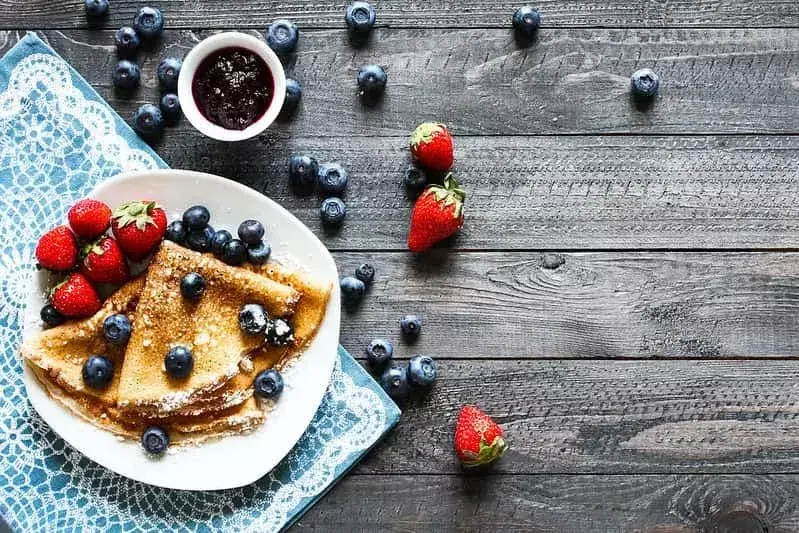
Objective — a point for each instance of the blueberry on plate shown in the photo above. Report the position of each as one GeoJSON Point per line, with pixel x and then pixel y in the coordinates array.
{"type": "Point", "coordinates": [116, 329]}
{"type": "Point", "coordinates": [268, 384]}
{"type": "Point", "coordinates": [411, 325]}
{"type": "Point", "coordinates": [372, 80]}
{"type": "Point", "coordinates": [645, 83]}
{"type": "Point", "coordinates": [148, 22]}
{"type": "Point", "coordinates": [234, 252]}
{"type": "Point", "coordinates": [175, 232]}
{"type": "Point", "coordinates": [379, 353]}
{"type": "Point", "coordinates": [360, 17]}
{"type": "Point", "coordinates": [155, 440]}
{"type": "Point", "coordinates": [365, 273]}
{"type": "Point", "coordinates": [253, 319]}
{"type": "Point", "coordinates": [258, 254]}
{"type": "Point", "coordinates": [126, 75]}
{"type": "Point", "coordinates": [192, 286]}
{"type": "Point", "coordinates": [127, 40]}
{"type": "Point", "coordinates": [333, 211]}
{"type": "Point", "coordinates": [332, 179]}
{"type": "Point", "coordinates": [422, 371]}
{"type": "Point", "coordinates": [51, 316]}
{"type": "Point", "coordinates": [170, 105]}
{"type": "Point", "coordinates": [352, 290]}
{"type": "Point", "coordinates": [279, 332]}
{"type": "Point", "coordinates": [251, 231]}
{"type": "Point", "coordinates": [414, 179]}
{"type": "Point", "coordinates": [395, 382]}
{"type": "Point", "coordinates": [526, 19]}
{"type": "Point", "coordinates": [196, 217]}
{"type": "Point", "coordinates": [97, 8]}
{"type": "Point", "coordinates": [220, 239]}
{"type": "Point", "coordinates": [168, 71]}
{"type": "Point", "coordinates": [148, 120]}
{"type": "Point", "coordinates": [199, 240]}
{"type": "Point", "coordinates": [293, 95]}
{"type": "Point", "coordinates": [178, 362]}
{"type": "Point", "coordinates": [282, 36]}
{"type": "Point", "coordinates": [302, 173]}
{"type": "Point", "coordinates": [97, 372]}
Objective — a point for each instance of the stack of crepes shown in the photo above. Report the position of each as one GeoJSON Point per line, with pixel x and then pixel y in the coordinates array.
{"type": "Point", "coordinates": [217, 397]}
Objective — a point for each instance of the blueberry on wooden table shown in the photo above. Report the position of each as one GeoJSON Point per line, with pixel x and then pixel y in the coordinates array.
{"type": "Point", "coordinates": [395, 382]}
{"type": "Point", "coordinates": [332, 179]}
{"type": "Point", "coordinates": [97, 8]}
{"type": "Point", "coordinates": [526, 19]}
{"type": "Point", "coordinates": [360, 17]}
{"type": "Point", "coordinates": [170, 105]}
{"type": "Point", "coordinates": [127, 40]}
{"type": "Point", "coordinates": [303, 170]}
{"type": "Point", "coordinates": [148, 22]}
{"type": "Point", "coordinates": [422, 371]}
{"type": "Point", "coordinates": [333, 211]}
{"type": "Point", "coordinates": [126, 75]}
{"type": "Point", "coordinates": [645, 83]}
{"type": "Point", "coordinates": [148, 120]}
{"type": "Point", "coordinates": [168, 71]}
{"type": "Point", "coordinates": [282, 36]}
{"type": "Point", "coordinates": [379, 353]}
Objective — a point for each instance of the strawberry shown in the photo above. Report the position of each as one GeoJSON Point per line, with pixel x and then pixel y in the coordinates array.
{"type": "Point", "coordinates": [75, 297]}
{"type": "Point", "coordinates": [478, 439]}
{"type": "Point", "coordinates": [139, 227]}
{"type": "Point", "coordinates": [431, 145]}
{"type": "Point", "coordinates": [103, 262]}
{"type": "Point", "coordinates": [57, 249]}
{"type": "Point", "coordinates": [437, 214]}
{"type": "Point", "coordinates": [89, 218]}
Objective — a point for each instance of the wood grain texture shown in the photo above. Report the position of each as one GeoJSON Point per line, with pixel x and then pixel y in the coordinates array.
{"type": "Point", "coordinates": [481, 82]}
{"type": "Point", "coordinates": [421, 13]}
{"type": "Point", "coordinates": [559, 504]}
{"type": "Point", "coordinates": [607, 417]}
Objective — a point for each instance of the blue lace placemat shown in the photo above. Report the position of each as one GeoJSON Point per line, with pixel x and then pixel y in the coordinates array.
{"type": "Point", "coordinates": [58, 139]}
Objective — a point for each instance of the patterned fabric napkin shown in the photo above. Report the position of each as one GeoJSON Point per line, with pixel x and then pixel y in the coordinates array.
{"type": "Point", "coordinates": [57, 140]}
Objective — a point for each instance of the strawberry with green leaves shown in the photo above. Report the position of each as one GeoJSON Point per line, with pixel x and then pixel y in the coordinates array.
{"type": "Point", "coordinates": [437, 214]}
{"type": "Point", "coordinates": [75, 297]}
{"type": "Point", "coordinates": [104, 262]}
{"type": "Point", "coordinates": [432, 146]}
{"type": "Point", "coordinates": [139, 227]}
{"type": "Point", "coordinates": [478, 439]}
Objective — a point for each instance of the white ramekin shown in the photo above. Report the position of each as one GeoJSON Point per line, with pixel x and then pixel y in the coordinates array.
{"type": "Point", "coordinates": [207, 47]}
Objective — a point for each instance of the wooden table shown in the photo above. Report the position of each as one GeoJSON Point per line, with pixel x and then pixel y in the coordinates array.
{"type": "Point", "coordinates": [623, 297]}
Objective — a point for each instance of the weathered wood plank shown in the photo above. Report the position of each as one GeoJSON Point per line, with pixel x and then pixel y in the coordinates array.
{"type": "Point", "coordinates": [559, 504]}
{"type": "Point", "coordinates": [481, 82]}
{"type": "Point", "coordinates": [607, 417]}
{"type": "Point", "coordinates": [425, 13]}
{"type": "Point", "coordinates": [593, 305]}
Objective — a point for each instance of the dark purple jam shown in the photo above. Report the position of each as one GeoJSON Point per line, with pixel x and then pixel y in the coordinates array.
{"type": "Point", "coordinates": [233, 88]}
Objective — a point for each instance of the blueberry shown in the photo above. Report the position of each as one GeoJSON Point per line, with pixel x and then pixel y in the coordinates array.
{"type": "Point", "coordinates": [332, 179]}
{"type": "Point", "coordinates": [282, 36]}
{"type": "Point", "coordinates": [279, 332]}
{"type": "Point", "coordinates": [179, 361]}
{"type": "Point", "coordinates": [395, 382]}
{"type": "Point", "coordinates": [97, 8]}
{"type": "Point", "coordinates": [196, 217]}
{"type": "Point", "coordinates": [168, 71]}
{"type": "Point", "coordinates": [333, 211]}
{"type": "Point", "coordinates": [234, 252]}
{"type": "Point", "coordinates": [251, 231]}
{"type": "Point", "coordinates": [199, 240]}
{"type": "Point", "coordinates": [126, 75]}
{"type": "Point", "coordinates": [155, 440]}
{"type": "Point", "coordinates": [645, 83]}
{"type": "Point", "coordinates": [268, 384]}
{"type": "Point", "coordinates": [365, 273]}
{"type": "Point", "coordinates": [526, 19]}
{"type": "Point", "coordinates": [379, 353]}
{"type": "Point", "coordinates": [170, 105]}
{"type": "Point", "coordinates": [293, 95]}
{"type": "Point", "coordinates": [411, 325]}
{"type": "Point", "coordinates": [51, 316]}
{"type": "Point", "coordinates": [422, 371]}
{"type": "Point", "coordinates": [372, 80]}
{"type": "Point", "coordinates": [352, 290]}
{"type": "Point", "coordinates": [97, 372]}
{"type": "Point", "coordinates": [148, 22]}
{"type": "Point", "coordinates": [258, 254]}
{"type": "Point", "coordinates": [127, 40]}
{"type": "Point", "coordinates": [148, 120]}
{"type": "Point", "coordinates": [175, 232]}
{"type": "Point", "coordinates": [116, 329]}
{"type": "Point", "coordinates": [414, 179]}
{"type": "Point", "coordinates": [220, 239]}
{"type": "Point", "coordinates": [253, 319]}
{"type": "Point", "coordinates": [360, 17]}
{"type": "Point", "coordinates": [192, 286]}
{"type": "Point", "coordinates": [302, 173]}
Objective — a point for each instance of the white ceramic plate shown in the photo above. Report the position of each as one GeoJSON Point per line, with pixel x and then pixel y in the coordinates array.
{"type": "Point", "coordinates": [230, 461]}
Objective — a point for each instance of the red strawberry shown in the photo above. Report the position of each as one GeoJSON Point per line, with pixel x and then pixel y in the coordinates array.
{"type": "Point", "coordinates": [478, 439]}
{"type": "Point", "coordinates": [437, 214]}
{"type": "Point", "coordinates": [431, 145]}
{"type": "Point", "coordinates": [103, 262]}
{"type": "Point", "coordinates": [57, 249]}
{"type": "Point", "coordinates": [75, 297]}
{"type": "Point", "coordinates": [139, 227]}
{"type": "Point", "coordinates": [89, 218]}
